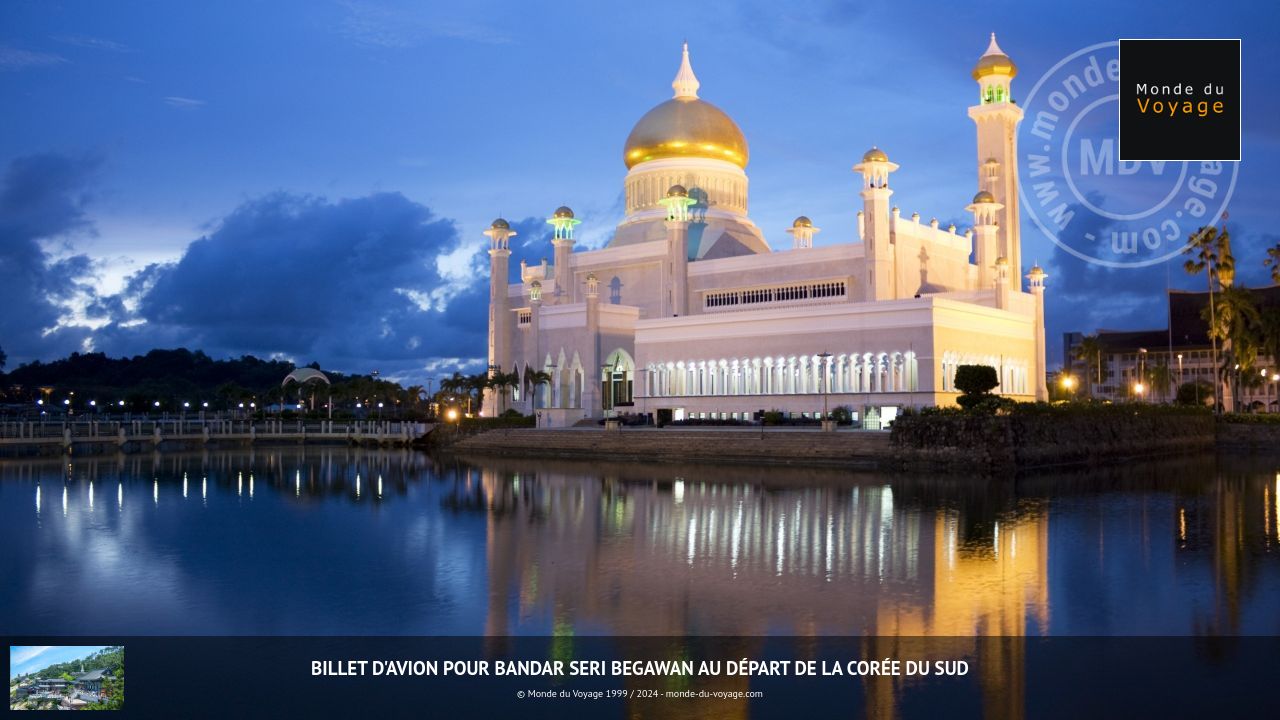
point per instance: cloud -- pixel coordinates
(12, 58)
(42, 204)
(26, 653)
(91, 42)
(353, 284)
(183, 102)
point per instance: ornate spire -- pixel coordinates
(993, 48)
(686, 83)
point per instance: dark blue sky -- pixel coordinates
(310, 179)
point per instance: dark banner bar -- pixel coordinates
(727, 677)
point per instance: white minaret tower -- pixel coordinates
(562, 239)
(986, 240)
(997, 119)
(877, 230)
(802, 232)
(1036, 279)
(676, 280)
(499, 233)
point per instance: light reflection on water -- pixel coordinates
(341, 541)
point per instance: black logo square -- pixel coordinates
(1180, 100)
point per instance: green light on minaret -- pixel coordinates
(677, 203)
(563, 221)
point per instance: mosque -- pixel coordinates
(689, 312)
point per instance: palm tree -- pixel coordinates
(534, 379)
(1234, 319)
(1089, 351)
(502, 382)
(1211, 251)
(474, 386)
(1273, 262)
(1269, 334)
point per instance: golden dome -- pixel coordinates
(563, 212)
(875, 154)
(685, 127)
(983, 197)
(677, 191)
(802, 221)
(994, 62)
(501, 224)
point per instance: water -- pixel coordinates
(338, 541)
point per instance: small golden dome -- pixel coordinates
(563, 212)
(994, 62)
(500, 224)
(983, 197)
(875, 154)
(802, 222)
(685, 127)
(1002, 260)
(677, 191)
(535, 284)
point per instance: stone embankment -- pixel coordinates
(863, 450)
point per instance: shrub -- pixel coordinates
(975, 382)
(1195, 393)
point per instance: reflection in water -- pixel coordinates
(565, 549)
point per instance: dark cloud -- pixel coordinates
(42, 201)
(352, 284)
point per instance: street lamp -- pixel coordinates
(826, 356)
(1139, 388)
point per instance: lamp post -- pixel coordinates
(644, 388)
(608, 402)
(826, 357)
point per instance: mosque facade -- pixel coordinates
(689, 312)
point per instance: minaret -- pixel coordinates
(1036, 278)
(1001, 269)
(877, 234)
(986, 241)
(591, 400)
(533, 345)
(802, 232)
(563, 221)
(997, 117)
(677, 202)
(499, 233)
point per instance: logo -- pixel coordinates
(1078, 191)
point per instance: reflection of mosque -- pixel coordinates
(677, 557)
(661, 556)
(634, 551)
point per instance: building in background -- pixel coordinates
(1151, 365)
(689, 312)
